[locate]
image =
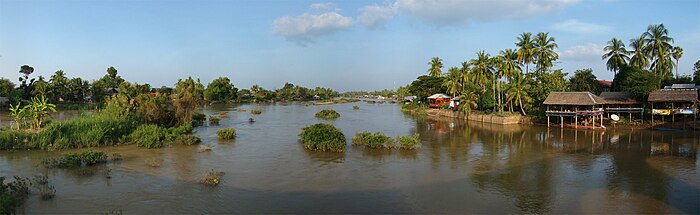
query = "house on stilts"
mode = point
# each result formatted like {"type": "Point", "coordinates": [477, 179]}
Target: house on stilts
{"type": "Point", "coordinates": [622, 104]}
{"type": "Point", "coordinates": [679, 99]}
{"type": "Point", "coordinates": [575, 109]}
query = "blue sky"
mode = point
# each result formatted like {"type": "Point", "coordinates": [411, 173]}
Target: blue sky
{"type": "Point", "coordinates": [345, 45]}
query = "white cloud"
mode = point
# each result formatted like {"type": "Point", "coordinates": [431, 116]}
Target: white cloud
{"type": "Point", "coordinates": [324, 6]}
{"type": "Point", "coordinates": [588, 51]}
{"type": "Point", "coordinates": [460, 12]}
{"type": "Point", "coordinates": [376, 16]}
{"type": "Point", "coordinates": [304, 29]}
{"type": "Point", "coordinates": [575, 26]}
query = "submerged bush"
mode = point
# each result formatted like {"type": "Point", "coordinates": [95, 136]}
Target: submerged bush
{"type": "Point", "coordinates": [198, 119]}
{"type": "Point", "coordinates": [372, 140]}
{"type": "Point", "coordinates": [323, 137]}
{"type": "Point", "coordinates": [212, 178]}
{"type": "Point", "coordinates": [327, 114]}
{"type": "Point", "coordinates": [409, 142]}
{"type": "Point", "coordinates": [226, 133]}
{"type": "Point", "coordinates": [149, 136]}
{"type": "Point", "coordinates": [256, 111]}
{"type": "Point", "coordinates": [187, 139]}
{"type": "Point", "coordinates": [213, 120]}
{"type": "Point", "coordinates": [355, 107]}
{"type": "Point", "coordinates": [87, 158]}
{"type": "Point", "coordinates": [13, 194]}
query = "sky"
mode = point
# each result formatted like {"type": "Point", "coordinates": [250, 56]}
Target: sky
{"type": "Point", "coordinates": [345, 45]}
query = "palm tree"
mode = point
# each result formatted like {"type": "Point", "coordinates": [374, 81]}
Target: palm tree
{"type": "Point", "coordinates": [518, 91]}
{"type": "Point", "coordinates": [639, 59]}
{"type": "Point", "coordinates": [465, 74]}
{"type": "Point", "coordinates": [659, 49]}
{"type": "Point", "coordinates": [677, 54]}
{"type": "Point", "coordinates": [544, 52]}
{"type": "Point", "coordinates": [482, 69]}
{"type": "Point", "coordinates": [525, 49]}
{"type": "Point", "coordinates": [616, 54]}
{"type": "Point", "coordinates": [469, 102]}
{"type": "Point", "coordinates": [435, 69]}
{"type": "Point", "coordinates": [508, 66]}
{"type": "Point", "coordinates": [453, 80]}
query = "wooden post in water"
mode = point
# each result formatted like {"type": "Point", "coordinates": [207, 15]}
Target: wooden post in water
{"type": "Point", "coordinates": [547, 115]}
{"type": "Point", "coordinates": [673, 115]}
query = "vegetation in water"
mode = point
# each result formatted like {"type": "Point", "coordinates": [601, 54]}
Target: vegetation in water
{"type": "Point", "coordinates": [372, 140]}
{"type": "Point", "coordinates": [154, 136]}
{"type": "Point", "coordinates": [416, 108]}
{"type": "Point", "coordinates": [153, 162]}
{"type": "Point", "coordinates": [213, 120]}
{"type": "Point", "coordinates": [14, 193]}
{"type": "Point", "coordinates": [226, 133]}
{"type": "Point", "coordinates": [212, 178]}
{"type": "Point", "coordinates": [327, 114]}
{"type": "Point", "coordinates": [322, 137]}
{"type": "Point", "coordinates": [70, 160]}
{"type": "Point", "coordinates": [409, 142]}
{"type": "Point", "coordinates": [355, 107]}
{"type": "Point", "coordinates": [256, 111]}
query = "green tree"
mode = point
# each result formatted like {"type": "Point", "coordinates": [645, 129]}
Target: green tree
{"type": "Point", "coordinates": [584, 81]}
{"type": "Point", "coordinates": [525, 49]}
{"type": "Point", "coordinates": [39, 109]}
{"type": "Point", "coordinates": [544, 51]}
{"type": "Point", "coordinates": [677, 54]}
{"type": "Point", "coordinates": [696, 73]}
{"type": "Point", "coordinates": [435, 69]}
{"type": "Point", "coordinates": [518, 91]}
{"type": "Point", "coordinates": [59, 86]}
{"type": "Point", "coordinates": [109, 81]}
{"type": "Point", "coordinates": [482, 69]}
{"type": "Point", "coordinates": [507, 65]}
{"type": "Point", "coordinates": [659, 48]}
{"type": "Point", "coordinates": [544, 83]}
{"type": "Point", "coordinates": [425, 86]}
{"type": "Point", "coordinates": [220, 89]}
{"type": "Point", "coordinates": [79, 89]}
{"type": "Point", "coordinates": [26, 84]}
{"type": "Point", "coordinates": [186, 97]}
{"type": "Point", "coordinates": [41, 88]}
{"type": "Point", "coordinates": [639, 82]}
{"type": "Point", "coordinates": [452, 80]}
{"type": "Point", "coordinates": [616, 54]}
{"type": "Point", "coordinates": [6, 87]}
{"type": "Point", "coordinates": [639, 59]}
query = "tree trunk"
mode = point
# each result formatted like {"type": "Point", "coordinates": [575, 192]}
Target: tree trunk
{"type": "Point", "coordinates": [521, 107]}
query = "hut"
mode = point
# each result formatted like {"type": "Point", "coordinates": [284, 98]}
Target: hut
{"type": "Point", "coordinates": [437, 100]}
{"type": "Point", "coordinates": [679, 101]}
{"type": "Point", "coordinates": [575, 104]}
{"type": "Point", "coordinates": [621, 103]}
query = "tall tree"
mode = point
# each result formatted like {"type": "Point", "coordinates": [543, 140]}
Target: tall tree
{"type": "Point", "coordinates": [696, 72]}
{"type": "Point", "coordinates": [465, 74]}
{"type": "Point", "coordinates": [518, 91]}
{"type": "Point", "coordinates": [220, 89]}
{"type": "Point", "coordinates": [677, 54]}
{"type": "Point", "coordinates": [59, 86]}
{"type": "Point", "coordinates": [6, 87]}
{"type": "Point", "coordinates": [525, 49]}
{"type": "Point", "coordinates": [452, 81]}
{"type": "Point", "coordinates": [584, 81]}
{"type": "Point", "coordinates": [186, 97]}
{"type": "Point", "coordinates": [544, 51]}
{"type": "Point", "coordinates": [435, 69]}
{"type": "Point", "coordinates": [507, 67]}
{"type": "Point", "coordinates": [659, 48]}
{"type": "Point", "coordinates": [482, 69]}
{"type": "Point", "coordinates": [640, 58]}
{"type": "Point", "coordinates": [616, 54]}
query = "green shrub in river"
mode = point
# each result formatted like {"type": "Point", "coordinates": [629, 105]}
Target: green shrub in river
{"type": "Point", "coordinates": [13, 194]}
{"type": "Point", "coordinates": [409, 142]}
{"type": "Point", "coordinates": [87, 158]}
{"type": "Point", "coordinates": [154, 136]}
{"type": "Point", "coordinates": [372, 140]}
{"type": "Point", "coordinates": [355, 107]}
{"type": "Point", "coordinates": [213, 120]}
{"type": "Point", "coordinates": [256, 111]}
{"type": "Point", "coordinates": [327, 114]}
{"type": "Point", "coordinates": [226, 133]}
{"type": "Point", "coordinates": [322, 137]}
{"type": "Point", "coordinates": [198, 119]}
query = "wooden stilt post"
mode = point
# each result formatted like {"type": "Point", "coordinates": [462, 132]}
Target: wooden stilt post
{"type": "Point", "coordinates": [673, 115]}
{"type": "Point", "coordinates": [561, 123]}
{"type": "Point", "coordinates": [576, 121]}
{"type": "Point", "coordinates": [652, 114]}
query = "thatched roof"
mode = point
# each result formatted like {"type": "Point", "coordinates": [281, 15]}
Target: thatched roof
{"type": "Point", "coordinates": [619, 98]}
{"type": "Point", "coordinates": [673, 96]}
{"type": "Point", "coordinates": [439, 95]}
{"type": "Point", "coordinates": [573, 98]}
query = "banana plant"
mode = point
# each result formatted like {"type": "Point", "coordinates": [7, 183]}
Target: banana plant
{"type": "Point", "coordinates": [40, 109]}
{"type": "Point", "coordinates": [18, 114]}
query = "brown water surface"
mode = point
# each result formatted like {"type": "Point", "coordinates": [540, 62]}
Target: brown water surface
{"type": "Point", "coordinates": [461, 168]}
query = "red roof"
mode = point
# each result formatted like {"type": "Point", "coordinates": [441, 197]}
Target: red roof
{"type": "Point", "coordinates": [605, 83]}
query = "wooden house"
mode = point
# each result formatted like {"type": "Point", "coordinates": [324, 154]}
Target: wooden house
{"type": "Point", "coordinates": [622, 103]}
{"type": "Point", "coordinates": [437, 100]}
{"type": "Point", "coordinates": [672, 102]}
{"type": "Point", "coordinates": [574, 105]}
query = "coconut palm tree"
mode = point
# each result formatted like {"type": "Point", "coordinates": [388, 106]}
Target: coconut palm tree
{"type": "Point", "coordinates": [616, 54]}
{"type": "Point", "coordinates": [452, 83]}
{"type": "Point", "coordinates": [677, 54]}
{"type": "Point", "coordinates": [544, 51]}
{"type": "Point", "coordinates": [517, 92]}
{"type": "Point", "coordinates": [482, 69]}
{"type": "Point", "coordinates": [659, 49]}
{"type": "Point", "coordinates": [525, 49]}
{"type": "Point", "coordinates": [469, 102]}
{"type": "Point", "coordinates": [510, 62]}
{"type": "Point", "coordinates": [435, 69]}
{"type": "Point", "coordinates": [639, 59]}
{"type": "Point", "coordinates": [465, 74]}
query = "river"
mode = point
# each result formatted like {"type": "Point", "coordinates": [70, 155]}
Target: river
{"type": "Point", "coordinates": [461, 168]}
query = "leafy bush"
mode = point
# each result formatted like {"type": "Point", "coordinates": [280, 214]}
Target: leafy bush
{"type": "Point", "coordinates": [226, 133]}
{"type": "Point", "coordinates": [149, 136]}
{"type": "Point", "coordinates": [355, 107]}
{"type": "Point", "coordinates": [198, 119]}
{"type": "Point", "coordinates": [327, 114]}
{"type": "Point", "coordinates": [409, 142]}
{"type": "Point", "coordinates": [213, 120]}
{"type": "Point", "coordinates": [87, 157]}
{"type": "Point", "coordinates": [416, 108]}
{"type": "Point", "coordinates": [187, 139]}
{"type": "Point", "coordinates": [256, 111]}
{"type": "Point", "coordinates": [323, 137]}
{"type": "Point", "coordinates": [372, 140]}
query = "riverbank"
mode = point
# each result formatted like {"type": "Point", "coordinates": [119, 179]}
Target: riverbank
{"type": "Point", "coordinates": [479, 117]}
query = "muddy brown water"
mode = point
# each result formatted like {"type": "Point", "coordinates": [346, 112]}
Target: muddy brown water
{"type": "Point", "coordinates": [461, 168]}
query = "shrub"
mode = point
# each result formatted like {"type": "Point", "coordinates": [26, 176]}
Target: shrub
{"type": "Point", "coordinates": [409, 142]}
{"type": "Point", "coordinates": [214, 120]}
{"type": "Point", "coordinates": [323, 137]}
{"type": "Point", "coordinates": [327, 114]}
{"type": "Point", "coordinates": [87, 157]}
{"type": "Point", "coordinates": [226, 133]}
{"type": "Point", "coordinates": [355, 107]}
{"type": "Point", "coordinates": [372, 140]}
{"type": "Point", "coordinates": [256, 111]}
{"type": "Point", "coordinates": [149, 136]}
{"type": "Point", "coordinates": [187, 139]}
{"type": "Point", "coordinates": [198, 119]}
{"type": "Point", "coordinates": [212, 178]}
